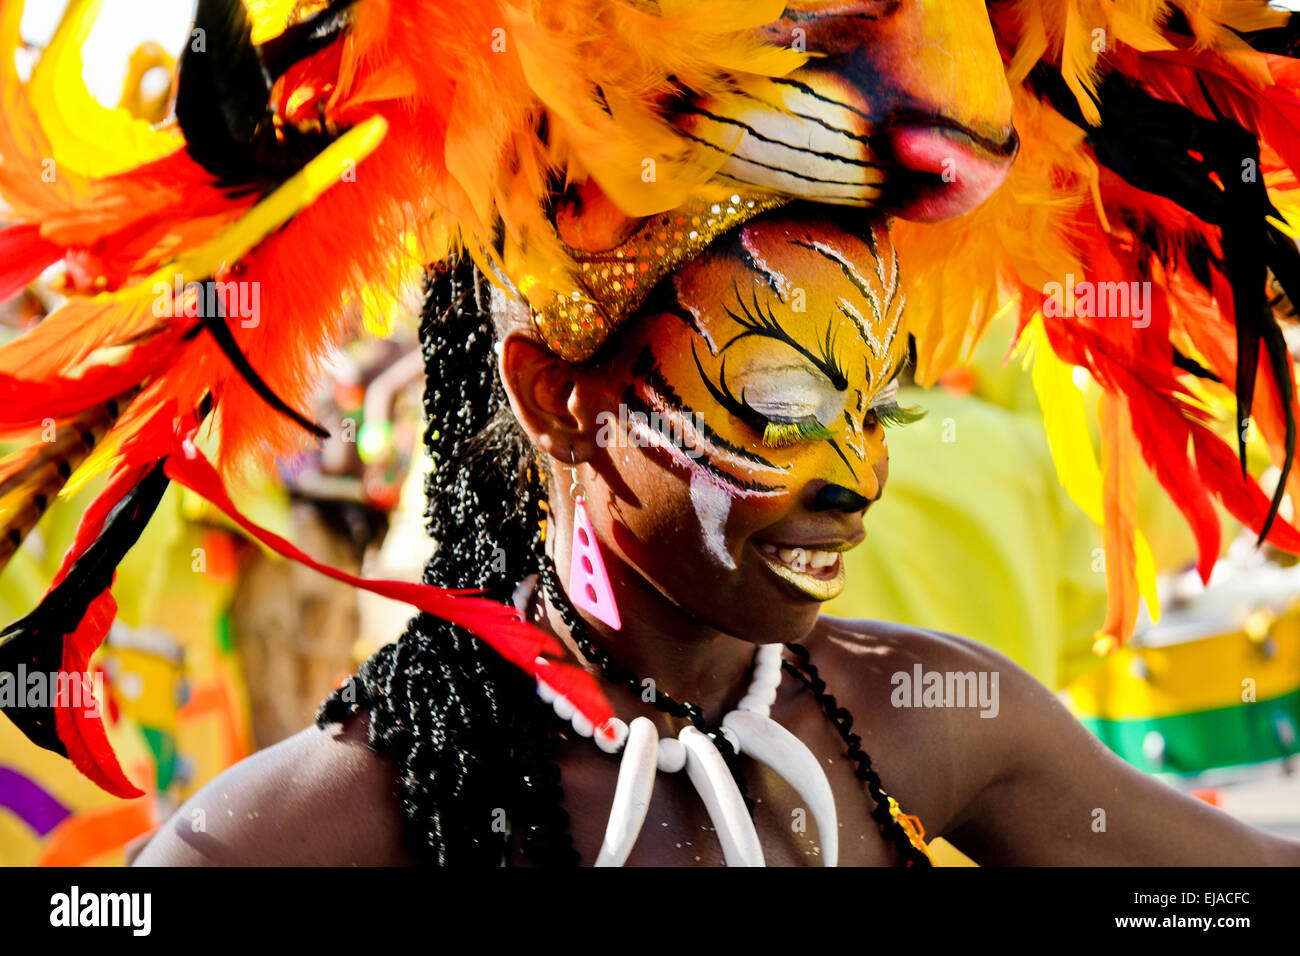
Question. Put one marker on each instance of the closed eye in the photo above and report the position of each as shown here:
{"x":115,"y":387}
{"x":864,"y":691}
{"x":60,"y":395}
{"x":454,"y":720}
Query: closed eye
{"x":892,"y":415}
{"x":776,"y":431}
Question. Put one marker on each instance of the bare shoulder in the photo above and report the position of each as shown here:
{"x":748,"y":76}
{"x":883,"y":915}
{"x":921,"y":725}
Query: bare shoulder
{"x":320,"y":798}
{"x":887,"y":644}
{"x":939,"y":714}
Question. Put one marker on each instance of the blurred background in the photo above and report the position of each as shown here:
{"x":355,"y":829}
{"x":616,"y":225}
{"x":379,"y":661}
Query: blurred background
{"x":221,"y":648}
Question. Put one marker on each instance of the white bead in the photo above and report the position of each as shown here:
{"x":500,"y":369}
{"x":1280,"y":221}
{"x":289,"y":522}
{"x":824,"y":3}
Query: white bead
{"x":769,"y":653}
{"x":612,"y":736}
{"x":636,"y":781}
{"x":768,"y":673}
{"x":564,"y":708}
{"x":546,"y":692}
{"x":764,"y":695}
{"x":754,"y":705}
{"x":672,"y":755}
{"x":731,"y":738}
{"x":581,"y":725}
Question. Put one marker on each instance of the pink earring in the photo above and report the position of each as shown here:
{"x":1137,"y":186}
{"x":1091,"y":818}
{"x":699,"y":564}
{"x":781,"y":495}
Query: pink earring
{"x":589,"y":587}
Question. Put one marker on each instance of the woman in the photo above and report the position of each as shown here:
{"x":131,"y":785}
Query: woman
{"x":702,"y":377}
{"x":700,"y":578}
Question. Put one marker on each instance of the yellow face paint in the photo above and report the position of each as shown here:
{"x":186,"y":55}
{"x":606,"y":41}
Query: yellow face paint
{"x":790,"y":338}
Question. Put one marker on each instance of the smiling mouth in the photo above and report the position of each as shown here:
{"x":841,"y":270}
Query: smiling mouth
{"x":817,"y":573}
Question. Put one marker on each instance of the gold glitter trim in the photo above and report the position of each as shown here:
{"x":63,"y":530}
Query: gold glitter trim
{"x":609,"y":286}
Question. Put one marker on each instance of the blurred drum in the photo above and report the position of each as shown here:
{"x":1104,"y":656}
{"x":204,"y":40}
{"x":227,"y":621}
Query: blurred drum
{"x":1216,"y":684}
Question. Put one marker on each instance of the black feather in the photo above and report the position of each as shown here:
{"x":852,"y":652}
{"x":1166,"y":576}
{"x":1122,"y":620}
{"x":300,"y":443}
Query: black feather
{"x":222,"y":91}
{"x":1193,"y":367}
{"x":1284,"y":260}
{"x":225,"y":339}
{"x":223,"y":97}
{"x":301,"y":40}
{"x":1282,"y":41}
{"x":36,"y":641}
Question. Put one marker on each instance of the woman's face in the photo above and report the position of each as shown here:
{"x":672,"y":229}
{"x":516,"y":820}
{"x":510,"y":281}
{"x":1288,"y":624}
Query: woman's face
{"x":741,"y":435}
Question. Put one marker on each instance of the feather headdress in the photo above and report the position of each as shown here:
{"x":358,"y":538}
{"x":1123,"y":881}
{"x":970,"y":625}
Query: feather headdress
{"x":325,"y":149}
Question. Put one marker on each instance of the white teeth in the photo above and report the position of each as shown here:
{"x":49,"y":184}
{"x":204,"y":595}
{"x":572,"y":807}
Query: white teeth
{"x":801,"y":559}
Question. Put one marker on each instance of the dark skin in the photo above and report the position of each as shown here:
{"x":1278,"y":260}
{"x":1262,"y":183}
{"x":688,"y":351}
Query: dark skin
{"x":1022,"y":787}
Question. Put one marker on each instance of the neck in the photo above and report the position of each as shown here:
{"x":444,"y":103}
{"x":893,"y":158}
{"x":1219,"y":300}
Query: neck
{"x":664,"y":647}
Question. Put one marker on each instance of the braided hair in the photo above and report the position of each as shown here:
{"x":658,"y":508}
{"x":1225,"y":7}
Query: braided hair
{"x":473,"y":744}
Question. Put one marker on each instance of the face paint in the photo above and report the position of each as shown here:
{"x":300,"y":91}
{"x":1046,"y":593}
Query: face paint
{"x":795,"y":336}
{"x":712,"y":491}
{"x":712,"y":505}
{"x":765,"y":364}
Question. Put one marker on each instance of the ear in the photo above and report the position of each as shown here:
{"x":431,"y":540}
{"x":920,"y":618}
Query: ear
{"x":550,"y":398}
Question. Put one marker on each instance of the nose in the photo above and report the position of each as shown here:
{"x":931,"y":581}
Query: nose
{"x":838,"y":498}
{"x":963,"y":168}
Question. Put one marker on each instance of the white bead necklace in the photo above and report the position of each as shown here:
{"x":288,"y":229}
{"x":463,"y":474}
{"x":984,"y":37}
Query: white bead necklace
{"x":749,"y":728}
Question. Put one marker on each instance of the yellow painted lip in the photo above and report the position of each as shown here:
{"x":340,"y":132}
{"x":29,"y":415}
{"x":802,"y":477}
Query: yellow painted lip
{"x":819,"y":589}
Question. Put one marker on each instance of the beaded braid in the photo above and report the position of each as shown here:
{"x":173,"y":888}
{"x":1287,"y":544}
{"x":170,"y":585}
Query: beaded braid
{"x":842,"y":720}
{"x":465,"y":728}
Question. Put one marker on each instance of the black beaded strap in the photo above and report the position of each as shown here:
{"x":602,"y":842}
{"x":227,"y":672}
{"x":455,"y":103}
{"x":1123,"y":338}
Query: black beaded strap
{"x":806,"y":672}
{"x":616,"y":674}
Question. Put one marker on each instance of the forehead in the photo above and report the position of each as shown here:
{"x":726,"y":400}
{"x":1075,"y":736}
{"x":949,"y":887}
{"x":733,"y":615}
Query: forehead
{"x":820,"y":282}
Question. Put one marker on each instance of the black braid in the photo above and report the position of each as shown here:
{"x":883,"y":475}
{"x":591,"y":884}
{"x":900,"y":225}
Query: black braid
{"x":807,"y":674}
{"x":473,"y":745}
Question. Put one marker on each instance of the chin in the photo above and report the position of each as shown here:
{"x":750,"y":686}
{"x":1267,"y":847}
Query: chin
{"x":763,"y":608}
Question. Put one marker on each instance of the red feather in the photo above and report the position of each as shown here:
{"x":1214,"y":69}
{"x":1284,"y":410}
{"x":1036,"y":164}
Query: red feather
{"x":24,"y":255}
{"x":81,"y":727}
{"x":501,"y":626}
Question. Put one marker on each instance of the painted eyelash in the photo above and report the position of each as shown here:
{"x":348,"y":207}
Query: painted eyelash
{"x":767,"y":326}
{"x":806,"y":431}
{"x":893,"y":415}
{"x":775,"y":433}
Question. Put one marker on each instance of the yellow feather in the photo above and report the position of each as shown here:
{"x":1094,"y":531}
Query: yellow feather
{"x":269,"y":17}
{"x":84,"y":135}
{"x":1079,"y":60}
{"x":298,"y":192}
{"x":1066,"y":424}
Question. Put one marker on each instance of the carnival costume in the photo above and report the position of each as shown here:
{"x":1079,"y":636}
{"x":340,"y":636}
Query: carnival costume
{"x":579,"y":153}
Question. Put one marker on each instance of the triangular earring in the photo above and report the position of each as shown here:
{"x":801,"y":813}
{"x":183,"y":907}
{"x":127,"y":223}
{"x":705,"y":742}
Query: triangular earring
{"x":589,"y":587}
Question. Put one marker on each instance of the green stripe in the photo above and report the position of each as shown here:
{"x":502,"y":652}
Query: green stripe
{"x":1193,"y":743}
{"x":163,"y":746}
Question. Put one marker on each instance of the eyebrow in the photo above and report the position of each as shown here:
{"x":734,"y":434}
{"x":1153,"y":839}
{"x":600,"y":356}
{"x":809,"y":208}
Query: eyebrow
{"x":897,"y":370}
{"x":761,"y":270}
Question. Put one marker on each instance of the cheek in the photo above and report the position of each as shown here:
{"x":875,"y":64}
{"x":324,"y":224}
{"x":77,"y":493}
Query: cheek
{"x":669,"y":511}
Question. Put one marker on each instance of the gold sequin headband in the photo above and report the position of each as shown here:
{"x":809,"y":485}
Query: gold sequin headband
{"x":610,"y":285}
